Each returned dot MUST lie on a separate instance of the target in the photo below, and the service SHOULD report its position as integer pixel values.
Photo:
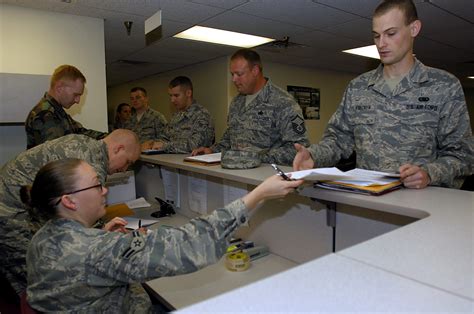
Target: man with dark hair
(146, 122)
(402, 116)
(190, 126)
(264, 121)
(48, 119)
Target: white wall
(36, 42)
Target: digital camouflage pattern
(86, 270)
(48, 120)
(15, 236)
(22, 169)
(270, 124)
(424, 121)
(16, 228)
(151, 126)
(239, 159)
(188, 130)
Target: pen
(280, 173)
(139, 223)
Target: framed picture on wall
(309, 100)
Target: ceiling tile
(464, 9)
(245, 23)
(225, 4)
(304, 13)
(358, 29)
(360, 7)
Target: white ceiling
(324, 27)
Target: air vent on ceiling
(282, 44)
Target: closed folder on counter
(360, 189)
(117, 210)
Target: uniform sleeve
(43, 127)
(290, 123)
(455, 143)
(338, 139)
(90, 133)
(224, 143)
(153, 128)
(202, 134)
(165, 252)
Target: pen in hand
(280, 172)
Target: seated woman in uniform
(73, 267)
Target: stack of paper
(209, 159)
(356, 181)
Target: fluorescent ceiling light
(367, 51)
(218, 36)
(471, 77)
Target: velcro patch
(137, 244)
(298, 125)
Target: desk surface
(184, 290)
(435, 252)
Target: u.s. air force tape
(136, 244)
(238, 261)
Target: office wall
(36, 42)
(213, 87)
(209, 82)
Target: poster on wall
(308, 99)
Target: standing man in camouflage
(191, 126)
(114, 153)
(48, 119)
(263, 118)
(149, 124)
(402, 116)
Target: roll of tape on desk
(238, 261)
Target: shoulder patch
(298, 125)
(136, 244)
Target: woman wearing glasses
(73, 267)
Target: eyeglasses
(80, 190)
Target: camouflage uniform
(270, 124)
(188, 130)
(86, 270)
(15, 228)
(424, 121)
(48, 120)
(151, 126)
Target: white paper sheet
(209, 158)
(197, 193)
(171, 185)
(138, 203)
(356, 176)
(231, 193)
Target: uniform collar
(418, 74)
(54, 103)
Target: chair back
(25, 307)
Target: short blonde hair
(67, 72)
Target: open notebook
(209, 159)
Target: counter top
(431, 258)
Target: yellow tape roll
(238, 261)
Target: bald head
(123, 148)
